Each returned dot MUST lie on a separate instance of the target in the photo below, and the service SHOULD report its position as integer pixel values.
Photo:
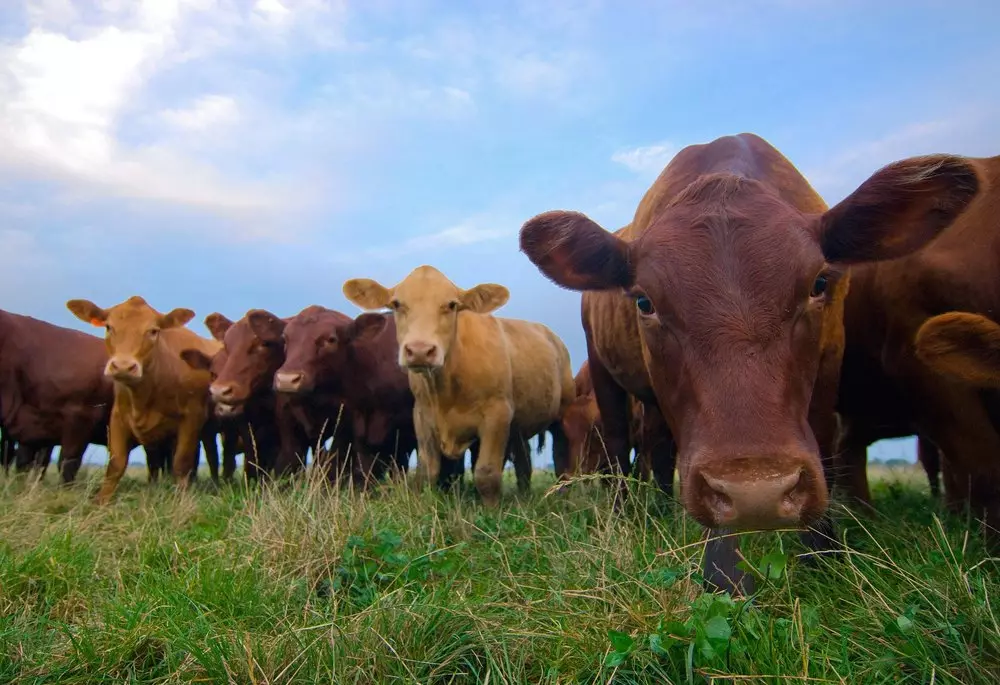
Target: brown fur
(52, 390)
(165, 400)
(890, 302)
(744, 271)
(473, 375)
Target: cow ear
(575, 252)
(87, 311)
(217, 324)
(897, 211)
(175, 318)
(962, 345)
(484, 298)
(368, 326)
(265, 325)
(366, 293)
(197, 360)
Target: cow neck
(363, 377)
(157, 373)
(444, 382)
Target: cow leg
(657, 444)
(494, 433)
(230, 440)
(208, 439)
(719, 567)
(521, 452)
(612, 403)
(24, 457)
(186, 449)
(74, 444)
(930, 458)
(119, 438)
(43, 457)
(561, 458)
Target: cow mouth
(226, 409)
(425, 369)
(124, 378)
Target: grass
(303, 585)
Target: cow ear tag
(96, 322)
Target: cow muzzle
(290, 381)
(756, 493)
(123, 369)
(420, 356)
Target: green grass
(303, 585)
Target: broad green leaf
(621, 642)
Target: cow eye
(107, 327)
(819, 286)
(644, 305)
(453, 305)
(332, 340)
(153, 332)
(394, 305)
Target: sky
(224, 155)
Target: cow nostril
(431, 351)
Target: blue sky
(229, 154)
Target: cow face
(961, 345)
(132, 333)
(426, 306)
(315, 343)
(244, 368)
(736, 295)
(580, 423)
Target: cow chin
(755, 493)
(225, 411)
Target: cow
(581, 423)
(720, 307)
(158, 398)
(52, 391)
(954, 277)
(473, 375)
(242, 392)
(354, 361)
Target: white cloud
(207, 112)
(472, 231)
(649, 159)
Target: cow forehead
(315, 323)
(426, 286)
(729, 252)
(130, 313)
(239, 335)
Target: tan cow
(158, 396)
(473, 375)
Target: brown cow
(955, 273)
(581, 423)
(242, 392)
(473, 375)
(354, 360)
(52, 390)
(159, 398)
(721, 305)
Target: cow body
(52, 390)
(720, 308)
(473, 375)
(893, 300)
(159, 400)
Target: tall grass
(301, 584)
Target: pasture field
(304, 585)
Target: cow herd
(739, 331)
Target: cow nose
(221, 392)
(288, 382)
(420, 354)
(755, 498)
(118, 366)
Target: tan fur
(498, 377)
(169, 400)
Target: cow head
(243, 369)
(580, 423)
(961, 345)
(132, 333)
(315, 343)
(736, 293)
(426, 306)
